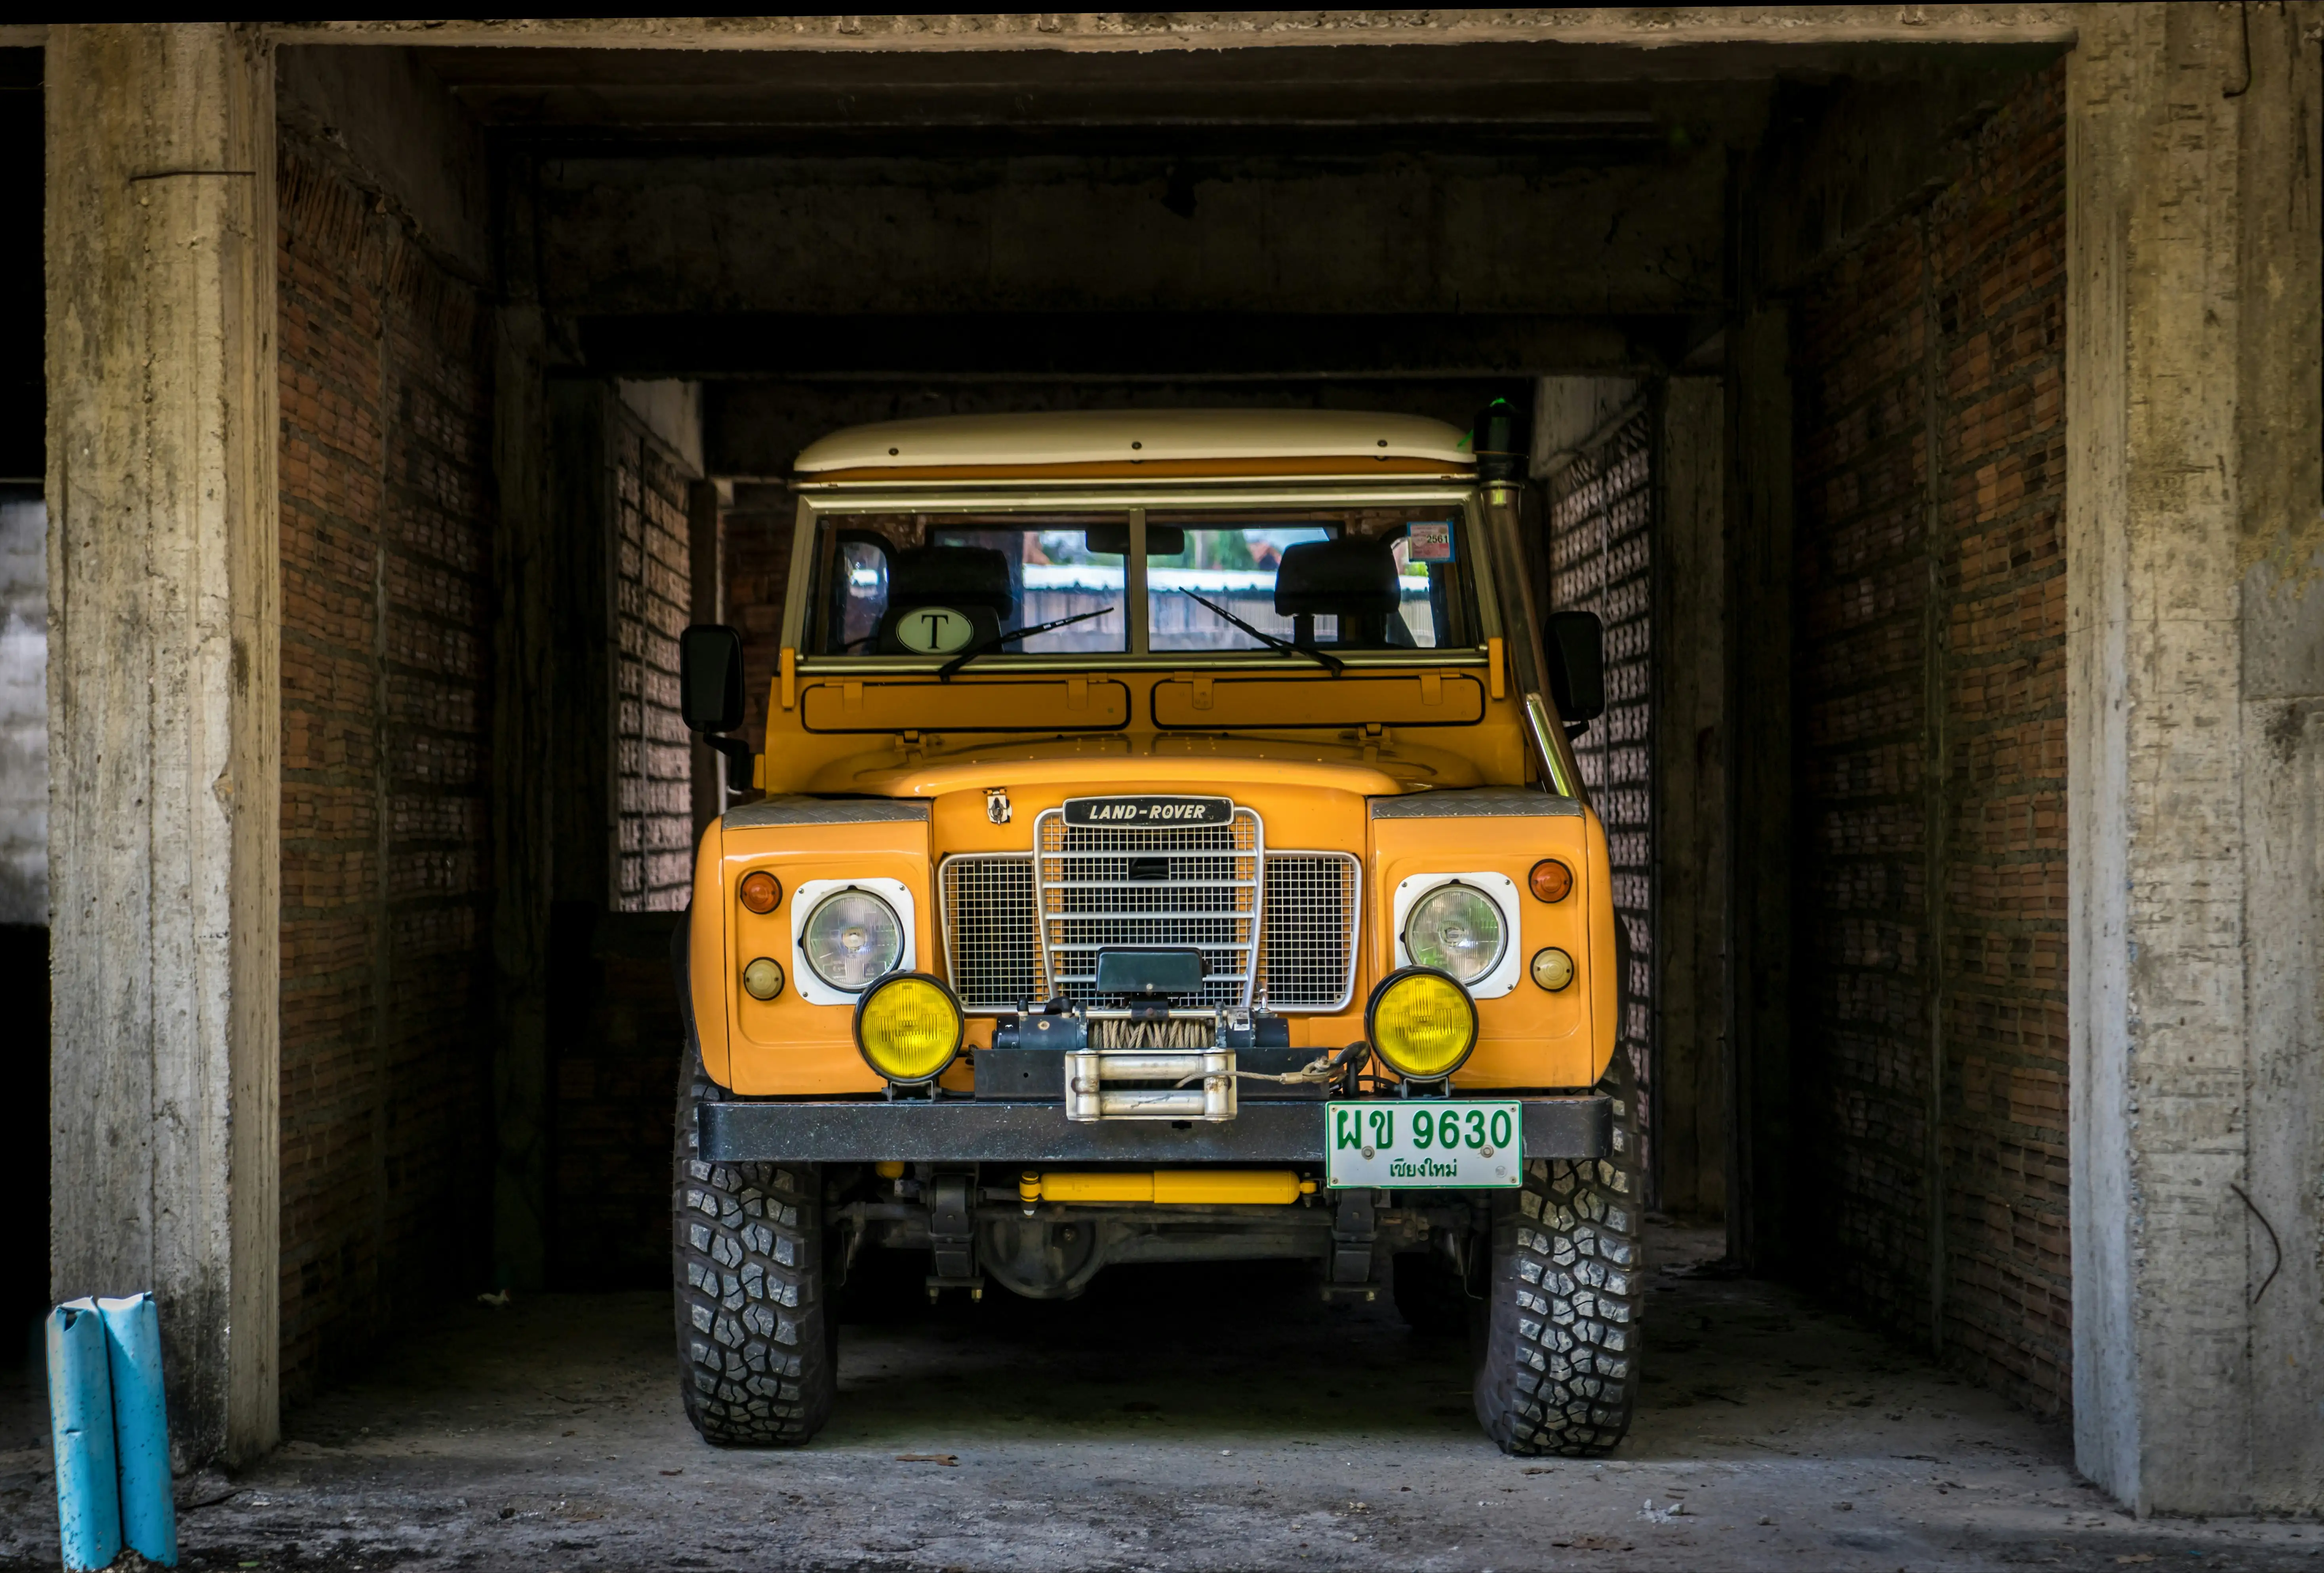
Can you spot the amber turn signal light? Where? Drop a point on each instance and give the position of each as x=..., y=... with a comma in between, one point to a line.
x=760, y=891
x=1551, y=880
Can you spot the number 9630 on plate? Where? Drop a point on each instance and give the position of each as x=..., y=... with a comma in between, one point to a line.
x=1413, y=1143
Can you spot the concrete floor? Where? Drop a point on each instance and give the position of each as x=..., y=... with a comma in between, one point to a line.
x=1206, y=1418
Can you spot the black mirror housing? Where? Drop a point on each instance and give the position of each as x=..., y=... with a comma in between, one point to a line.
x=1113, y=541
x=710, y=677
x=1575, y=644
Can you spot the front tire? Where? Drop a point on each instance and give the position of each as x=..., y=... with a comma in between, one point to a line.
x=1556, y=1339
x=757, y=1350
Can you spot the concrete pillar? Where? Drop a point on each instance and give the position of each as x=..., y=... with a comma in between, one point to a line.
x=1690, y=799
x=164, y=701
x=2195, y=646
x=1762, y=1178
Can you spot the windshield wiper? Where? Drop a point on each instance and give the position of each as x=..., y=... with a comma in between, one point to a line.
x=1331, y=663
x=985, y=647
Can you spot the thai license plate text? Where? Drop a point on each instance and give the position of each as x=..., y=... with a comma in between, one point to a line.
x=1411, y=1144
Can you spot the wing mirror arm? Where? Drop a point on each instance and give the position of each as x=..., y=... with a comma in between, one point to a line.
x=710, y=695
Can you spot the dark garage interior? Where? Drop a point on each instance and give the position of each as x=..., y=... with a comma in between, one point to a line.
x=1786, y=313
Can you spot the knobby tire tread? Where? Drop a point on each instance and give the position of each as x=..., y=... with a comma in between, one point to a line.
x=757, y=1357
x=1557, y=1334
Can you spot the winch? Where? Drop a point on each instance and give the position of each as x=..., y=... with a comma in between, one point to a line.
x=1146, y=1059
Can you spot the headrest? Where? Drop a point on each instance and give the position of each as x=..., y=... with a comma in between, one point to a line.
x=1346, y=576
x=959, y=576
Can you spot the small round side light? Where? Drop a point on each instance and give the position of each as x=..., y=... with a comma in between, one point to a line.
x=1552, y=969
x=762, y=979
x=760, y=891
x=1551, y=880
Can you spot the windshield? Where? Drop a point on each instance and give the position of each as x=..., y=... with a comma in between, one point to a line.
x=1330, y=579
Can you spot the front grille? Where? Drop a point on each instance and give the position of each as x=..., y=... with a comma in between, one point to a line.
x=1208, y=899
x=988, y=921
x=1307, y=946
x=1010, y=917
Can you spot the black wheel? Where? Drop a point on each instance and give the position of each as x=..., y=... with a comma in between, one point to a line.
x=1555, y=1341
x=757, y=1346
x=1429, y=1295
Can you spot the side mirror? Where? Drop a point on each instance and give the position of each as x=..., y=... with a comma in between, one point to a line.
x=710, y=677
x=1575, y=644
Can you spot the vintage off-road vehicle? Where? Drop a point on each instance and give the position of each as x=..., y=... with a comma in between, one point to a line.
x=1171, y=850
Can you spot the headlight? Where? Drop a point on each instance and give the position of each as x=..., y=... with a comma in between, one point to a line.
x=851, y=938
x=908, y=1027
x=1422, y=1023
x=1456, y=929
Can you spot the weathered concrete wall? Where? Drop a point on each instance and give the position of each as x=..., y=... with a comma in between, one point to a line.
x=386, y=543
x=2195, y=757
x=164, y=701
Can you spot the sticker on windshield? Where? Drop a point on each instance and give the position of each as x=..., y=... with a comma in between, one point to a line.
x=1429, y=541
x=933, y=630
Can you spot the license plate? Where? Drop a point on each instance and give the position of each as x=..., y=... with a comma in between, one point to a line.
x=1412, y=1144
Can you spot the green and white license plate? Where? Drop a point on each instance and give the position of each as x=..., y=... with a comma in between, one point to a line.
x=1411, y=1144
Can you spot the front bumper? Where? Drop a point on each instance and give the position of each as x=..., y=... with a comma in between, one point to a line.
x=867, y=1131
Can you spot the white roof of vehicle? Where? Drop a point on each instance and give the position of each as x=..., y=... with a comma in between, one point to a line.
x=1130, y=437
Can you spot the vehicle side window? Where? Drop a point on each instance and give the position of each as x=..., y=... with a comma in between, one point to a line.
x=859, y=587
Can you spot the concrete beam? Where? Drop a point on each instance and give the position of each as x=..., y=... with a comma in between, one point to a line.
x=165, y=701
x=1125, y=347
x=398, y=134
x=2195, y=645
x=1066, y=235
x=1651, y=29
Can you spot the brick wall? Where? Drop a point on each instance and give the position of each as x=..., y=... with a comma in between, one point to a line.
x=1931, y=734
x=1600, y=560
x=386, y=523
x=653, y=591
x=755, y=535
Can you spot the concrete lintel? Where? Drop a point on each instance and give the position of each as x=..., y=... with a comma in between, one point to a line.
x=1123, y=347
x=165, y=701
x=1653, y=28
x=398, y=134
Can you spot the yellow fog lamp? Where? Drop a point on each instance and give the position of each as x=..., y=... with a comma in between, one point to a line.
x=1422, y=1023
x=907, y=1027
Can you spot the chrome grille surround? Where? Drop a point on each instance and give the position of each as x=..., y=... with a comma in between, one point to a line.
x=989, y=914
x=1307, y=944
x=1210, y=900
x=997, y=948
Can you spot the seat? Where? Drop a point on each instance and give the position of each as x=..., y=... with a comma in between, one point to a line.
x=1348, y=577
x=971, y=582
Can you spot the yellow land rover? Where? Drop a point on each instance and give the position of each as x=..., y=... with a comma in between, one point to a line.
x=1170, y=849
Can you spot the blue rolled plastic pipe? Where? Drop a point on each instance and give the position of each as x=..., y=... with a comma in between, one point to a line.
x=81, y=1416
x=140, y=1427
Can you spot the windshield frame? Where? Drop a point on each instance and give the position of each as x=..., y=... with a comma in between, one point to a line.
x=1135, y=499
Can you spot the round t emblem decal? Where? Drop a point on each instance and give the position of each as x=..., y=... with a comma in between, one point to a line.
x=933, y=631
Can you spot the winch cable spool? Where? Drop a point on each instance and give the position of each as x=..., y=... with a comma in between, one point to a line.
x=1175, y=1033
